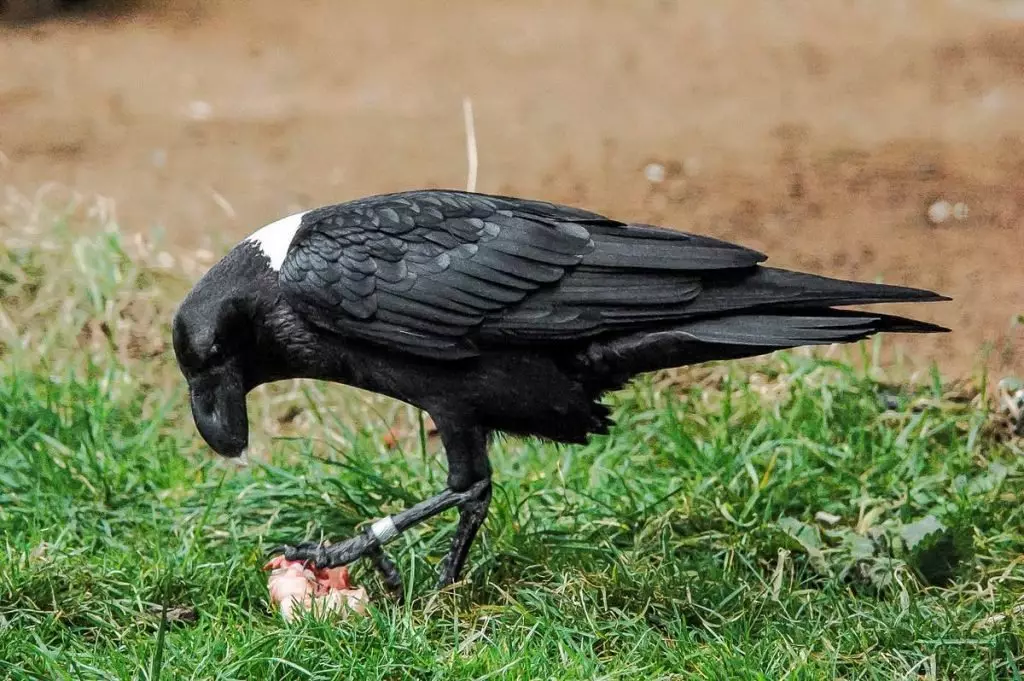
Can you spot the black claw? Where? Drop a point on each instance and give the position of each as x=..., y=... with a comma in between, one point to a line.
x=388, y=570
x=286, y=550
x=308, y=551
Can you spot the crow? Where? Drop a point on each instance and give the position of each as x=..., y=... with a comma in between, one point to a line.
x=493, y=314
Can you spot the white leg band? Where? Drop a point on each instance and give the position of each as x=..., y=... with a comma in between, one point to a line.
x=384, y=530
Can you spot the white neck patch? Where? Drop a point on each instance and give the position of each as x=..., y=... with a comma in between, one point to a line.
x=275, y=238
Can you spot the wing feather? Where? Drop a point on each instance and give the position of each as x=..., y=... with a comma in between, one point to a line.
x=441, y=273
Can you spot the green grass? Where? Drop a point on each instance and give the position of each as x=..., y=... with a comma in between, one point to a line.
x=788, y=518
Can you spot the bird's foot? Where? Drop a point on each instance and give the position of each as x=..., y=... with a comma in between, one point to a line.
x=326, y=556
x=346, y=552
x=472, y=513
x=472, y=505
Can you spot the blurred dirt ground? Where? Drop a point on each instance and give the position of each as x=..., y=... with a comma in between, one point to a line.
x=819, y=131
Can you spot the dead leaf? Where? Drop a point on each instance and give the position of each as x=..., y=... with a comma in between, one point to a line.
x=179, y=613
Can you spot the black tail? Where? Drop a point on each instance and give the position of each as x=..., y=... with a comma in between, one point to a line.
x=770, y=287
x=792, y=328
x=771, y=310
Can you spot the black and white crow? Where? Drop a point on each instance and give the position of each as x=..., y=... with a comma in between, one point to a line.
x=491, y=313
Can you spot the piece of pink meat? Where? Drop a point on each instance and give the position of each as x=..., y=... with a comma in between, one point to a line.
x=294, y=585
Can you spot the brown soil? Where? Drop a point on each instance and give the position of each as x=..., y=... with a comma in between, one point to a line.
x=819, y=131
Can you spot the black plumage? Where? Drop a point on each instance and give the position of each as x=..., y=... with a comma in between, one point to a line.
x=493, y=314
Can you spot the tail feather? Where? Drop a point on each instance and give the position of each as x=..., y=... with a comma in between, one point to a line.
x=810, y=326
x=773, y=287
x=722, y=307
x=740, y=335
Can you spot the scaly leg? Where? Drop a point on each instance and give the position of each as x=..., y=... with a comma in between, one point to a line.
x=468, y=469
x=378, y=534
x=469, y=488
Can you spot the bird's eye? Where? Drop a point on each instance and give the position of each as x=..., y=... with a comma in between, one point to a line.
x=215, y=351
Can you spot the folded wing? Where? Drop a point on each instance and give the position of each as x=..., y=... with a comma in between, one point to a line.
x=439, y=273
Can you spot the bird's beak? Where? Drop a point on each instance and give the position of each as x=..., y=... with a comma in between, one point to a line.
x=218, y=409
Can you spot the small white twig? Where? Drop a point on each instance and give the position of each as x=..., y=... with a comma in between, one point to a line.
x=223, y=203
x=467, y=114
x=780, y=573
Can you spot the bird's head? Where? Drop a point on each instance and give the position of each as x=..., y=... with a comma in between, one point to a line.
x=232, y=332
x=209, y=338
x=216, y=344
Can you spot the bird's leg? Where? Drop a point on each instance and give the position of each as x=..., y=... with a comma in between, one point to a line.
x=472, y=514
x=469, y=488
x=370, y=542
x=469, y=469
